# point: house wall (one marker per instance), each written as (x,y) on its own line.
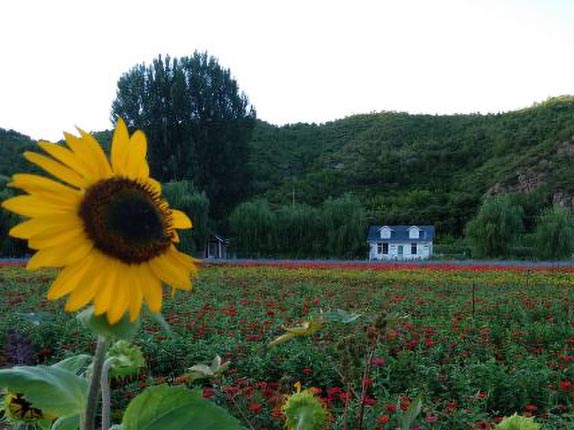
(424,251)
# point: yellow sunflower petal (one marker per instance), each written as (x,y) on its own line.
(87,283)
(136,299)
(68,280)
(97,154)
(174,236)
(65,156)
(180,219)
(136,155)
(56,169)
(83,293)
(60,256)
(170,270)
(187,261)
(32,206)
(50,238)
(121,300)
(151,289)
(52,223)
(109,280)
(155,185)
(120,148)
(32,183)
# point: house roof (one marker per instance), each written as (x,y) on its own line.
(400,233)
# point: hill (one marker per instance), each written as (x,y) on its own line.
(406,169)
(425,169)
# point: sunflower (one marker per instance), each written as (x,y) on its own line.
(104,223)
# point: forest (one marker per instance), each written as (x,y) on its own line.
(397,168)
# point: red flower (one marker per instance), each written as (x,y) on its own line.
(378,361)
(566,385)
(369,401)
(391,408)
(255,407)
(383,419)
(307,371)
(208,393)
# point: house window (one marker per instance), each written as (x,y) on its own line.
(379,248)
(385,248)
(414,248)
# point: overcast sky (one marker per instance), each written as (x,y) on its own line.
(297,60)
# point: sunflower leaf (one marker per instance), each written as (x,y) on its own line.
(175,408)
(76,364)
(71,422)
(123,329)
(51,389)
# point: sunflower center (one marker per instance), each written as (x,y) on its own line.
(126,220)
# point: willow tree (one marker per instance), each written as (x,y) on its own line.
(197,121)
(495,228)
(344,220)
(252,227)
(554,236)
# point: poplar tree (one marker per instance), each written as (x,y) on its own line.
(197,121)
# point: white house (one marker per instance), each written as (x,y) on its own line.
(400,242)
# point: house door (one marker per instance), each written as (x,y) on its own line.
(400,249)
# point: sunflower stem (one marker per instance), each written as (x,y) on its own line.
(105,383)
(94,388)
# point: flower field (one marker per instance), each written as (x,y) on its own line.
(478,343)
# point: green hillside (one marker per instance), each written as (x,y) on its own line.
(422,168)
(405,169)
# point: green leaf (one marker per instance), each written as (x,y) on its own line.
(76,364)
(125,359)
(175,408)
(123,329)
(52,389)
(339,315)
(71,422)
(410,415)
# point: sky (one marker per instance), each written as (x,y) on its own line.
(297,60)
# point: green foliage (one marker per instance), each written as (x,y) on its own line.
(517,422)
(125,358)
(495,228)
(197,122)
(420,169)
(99,325)
(12,145)
(336,229)
(53,389)
(9,246)
(252,228)
(175,408)
(345,224)
(184,196)
(554,236)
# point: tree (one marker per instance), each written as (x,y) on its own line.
(344,220)
(197,122)
(495,228)
(183,196)
(253,229)
(554,235)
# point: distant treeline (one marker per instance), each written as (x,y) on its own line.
(334,229)
(282,191)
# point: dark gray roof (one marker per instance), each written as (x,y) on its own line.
(400,233)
